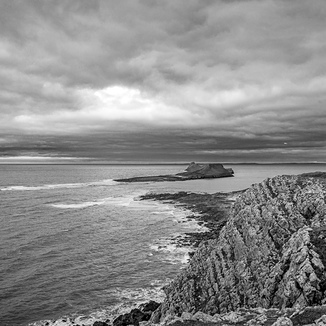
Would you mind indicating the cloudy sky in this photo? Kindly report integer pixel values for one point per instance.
(162, 81)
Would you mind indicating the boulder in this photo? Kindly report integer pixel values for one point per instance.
(132, 318)
(149, 306)
(100, 323)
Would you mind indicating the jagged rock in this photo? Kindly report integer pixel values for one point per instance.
(131, 318)
(136, 316)
(321, 321)
(270, 253)
(186, 316)
(283, 321)
(205, 317)
(143, 323)
(309, 316)
(257, 320)
(149, 306)
(233, 317)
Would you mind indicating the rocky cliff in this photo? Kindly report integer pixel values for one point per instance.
(270, 253)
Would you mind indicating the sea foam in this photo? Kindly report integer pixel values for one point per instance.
(112, 201)
(107, 182)
(77, 206)
(131, 202)
(129, 299)
(167, 249)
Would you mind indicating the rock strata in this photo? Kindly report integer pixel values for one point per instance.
(311, 316)
(270, 253)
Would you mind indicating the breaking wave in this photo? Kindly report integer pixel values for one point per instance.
(107, 182)
(171, 252)
(127, 201)
(129, 299)
(77, 206)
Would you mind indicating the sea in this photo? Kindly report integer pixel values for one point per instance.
(76, 246)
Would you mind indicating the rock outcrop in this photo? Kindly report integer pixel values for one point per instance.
(199, 171)
(270, 253)
(193, 171)
(137, 315)
(311, 316)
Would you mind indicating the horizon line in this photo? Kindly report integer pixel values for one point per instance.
(159, 163)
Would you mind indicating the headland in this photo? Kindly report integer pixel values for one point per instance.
(193, 171)
(262, 261)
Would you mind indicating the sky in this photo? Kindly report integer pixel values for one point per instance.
(106, 81)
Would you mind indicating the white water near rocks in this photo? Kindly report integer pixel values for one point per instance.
(75, 243)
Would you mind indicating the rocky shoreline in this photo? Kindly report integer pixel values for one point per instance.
(261, 262)
(265, 262)
(210, 210)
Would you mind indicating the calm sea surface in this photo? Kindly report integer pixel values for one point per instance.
(73, 242)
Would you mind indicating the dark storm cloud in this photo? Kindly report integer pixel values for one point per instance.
(233, 79)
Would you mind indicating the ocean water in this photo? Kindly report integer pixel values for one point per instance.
(74, 243)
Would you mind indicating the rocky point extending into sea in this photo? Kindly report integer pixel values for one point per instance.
(193, 171)
(262, 262)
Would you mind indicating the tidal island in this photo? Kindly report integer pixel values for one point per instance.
(193, 171)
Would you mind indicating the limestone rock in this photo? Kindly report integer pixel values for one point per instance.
(199, 171)
(270, 253)
(321, 321)
(133, 318)
(283, 321)
(100, 323)
(205, 317)
(149, 306)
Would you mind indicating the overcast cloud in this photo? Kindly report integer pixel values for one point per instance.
(163, 80)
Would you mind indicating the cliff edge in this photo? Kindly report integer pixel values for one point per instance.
(270, 253)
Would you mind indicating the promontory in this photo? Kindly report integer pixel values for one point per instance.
(193, 171)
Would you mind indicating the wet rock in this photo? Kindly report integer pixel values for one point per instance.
(211, 211)
(100, 323)
(149, 306)
(132, 318)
